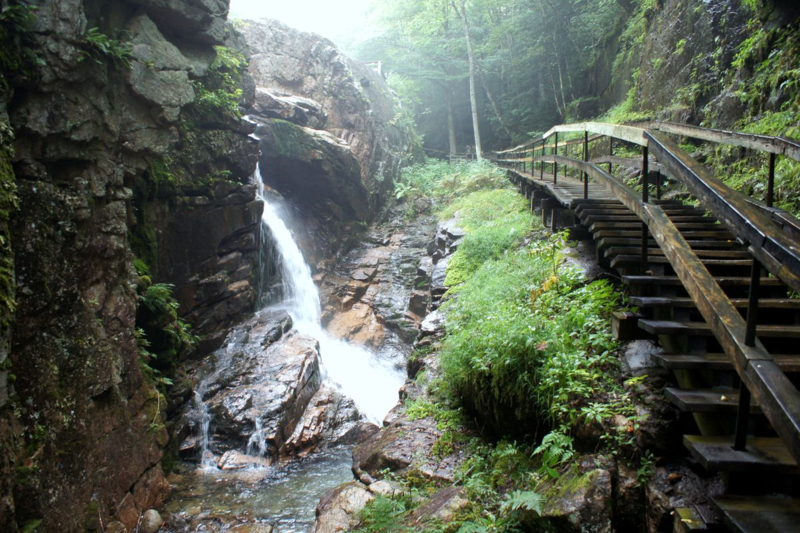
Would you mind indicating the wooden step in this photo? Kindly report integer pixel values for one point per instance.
(717, 400)
(624, 260)
(687, 234)
(674, 281)
(687, 303)
(621, 209)
(597, 226)
(591, 219)
(701, 329)
(762, 455)
(693, 243)
(750, 514)
(718, 362)
(658, 252)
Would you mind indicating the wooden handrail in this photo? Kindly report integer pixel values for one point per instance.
(774, 392)
(776, 251)
(766, 143)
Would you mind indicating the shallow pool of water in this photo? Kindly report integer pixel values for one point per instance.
(283, 496)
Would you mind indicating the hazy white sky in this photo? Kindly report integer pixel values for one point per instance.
(334, 19)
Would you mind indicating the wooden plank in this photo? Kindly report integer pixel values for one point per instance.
(701, 254)
(723, 400)
(675, 281)
(694, 244)
(635, 259)
(718, 362)
(750, 514)
(762, 455)
(740, 303)
(688, 234)
(701, 329)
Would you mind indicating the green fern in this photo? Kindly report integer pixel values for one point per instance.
(523, 500)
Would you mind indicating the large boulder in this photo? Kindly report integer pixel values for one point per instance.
(338, 509)
(263, 391)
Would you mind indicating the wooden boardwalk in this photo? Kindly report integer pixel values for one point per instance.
(566, 190)
(713, 285)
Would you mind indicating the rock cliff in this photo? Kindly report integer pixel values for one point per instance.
(328, 132)
(126, 143)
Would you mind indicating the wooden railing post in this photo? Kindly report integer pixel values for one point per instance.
(645, 199)
(743, 412)
(585, 158)
(771, 181)
(541, 163)
(610, 151)
(555, 164)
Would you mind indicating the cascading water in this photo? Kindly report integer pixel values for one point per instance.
(371, 383)
(283, 495)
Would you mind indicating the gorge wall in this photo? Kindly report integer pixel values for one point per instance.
(328, 135)
(125, 164)
(113, 155)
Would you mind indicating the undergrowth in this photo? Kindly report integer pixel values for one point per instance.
(527, 358)
(441, 181)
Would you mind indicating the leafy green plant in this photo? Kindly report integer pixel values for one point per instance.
(384, 514)
(100, 46)
(218, 94)
(161, 335)
(17, 51)
(441, 181)
(527, 500)
(555, 450)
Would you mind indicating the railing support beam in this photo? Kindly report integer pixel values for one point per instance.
(645, 199)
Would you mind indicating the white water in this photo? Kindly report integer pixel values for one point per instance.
(357, 373)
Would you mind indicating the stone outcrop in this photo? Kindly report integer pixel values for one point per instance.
(111, 159)
(266, 398)
(328, 138)
(338, 509)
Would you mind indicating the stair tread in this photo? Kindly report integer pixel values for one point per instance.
(687, 233)
(761, 454)
(635, 279)
(634, 259)
(718, 400)
(686, 302)
(605, 242)
(657, 252)
(674, 327)
(718, 361)
(751, 514)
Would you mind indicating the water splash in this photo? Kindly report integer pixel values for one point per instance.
(371, 383)
(358, 374)
(257, 445)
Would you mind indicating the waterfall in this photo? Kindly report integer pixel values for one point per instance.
(358, 374)
(369, 382)
(257, 445)
(204, 419)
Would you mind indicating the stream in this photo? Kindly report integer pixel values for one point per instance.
(267, 496)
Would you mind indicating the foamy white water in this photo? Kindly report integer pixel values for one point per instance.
(357, 373)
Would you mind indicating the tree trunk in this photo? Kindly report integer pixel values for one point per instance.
(492, 101)
(472, 98)
(451, 124)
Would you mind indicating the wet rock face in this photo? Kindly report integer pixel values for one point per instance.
(266, 398)
(338, 510)
(371, 297)
(88, 132)
(324, 123)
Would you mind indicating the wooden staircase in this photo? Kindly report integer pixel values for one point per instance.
(714, 285)
(708, 386)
